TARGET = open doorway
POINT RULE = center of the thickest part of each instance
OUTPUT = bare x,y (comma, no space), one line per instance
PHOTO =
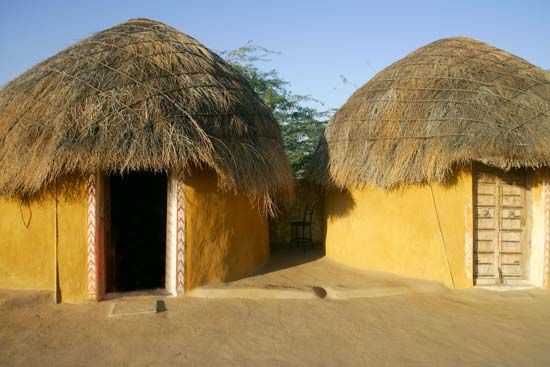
135,251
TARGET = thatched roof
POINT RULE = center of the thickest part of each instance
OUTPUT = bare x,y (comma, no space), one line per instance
443,106
138,96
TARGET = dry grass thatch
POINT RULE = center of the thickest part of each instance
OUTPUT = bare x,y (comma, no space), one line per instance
440,108
139,96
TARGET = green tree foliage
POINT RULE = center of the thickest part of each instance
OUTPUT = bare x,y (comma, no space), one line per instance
301,123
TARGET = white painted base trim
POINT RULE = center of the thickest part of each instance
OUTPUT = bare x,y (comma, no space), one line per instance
507,287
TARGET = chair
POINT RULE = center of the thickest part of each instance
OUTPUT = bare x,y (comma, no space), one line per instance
300,231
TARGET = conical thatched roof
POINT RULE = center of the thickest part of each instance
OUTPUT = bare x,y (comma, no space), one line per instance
443,106
138,96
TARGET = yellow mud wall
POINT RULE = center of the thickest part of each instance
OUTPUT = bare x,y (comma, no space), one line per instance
72,247
27,245
226,237
27,240
398,231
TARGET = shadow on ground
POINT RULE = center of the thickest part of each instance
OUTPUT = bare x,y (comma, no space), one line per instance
287,256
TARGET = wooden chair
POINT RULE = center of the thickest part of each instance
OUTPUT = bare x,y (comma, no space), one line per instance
300,231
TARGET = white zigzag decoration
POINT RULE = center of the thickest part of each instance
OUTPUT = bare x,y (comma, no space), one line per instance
92,235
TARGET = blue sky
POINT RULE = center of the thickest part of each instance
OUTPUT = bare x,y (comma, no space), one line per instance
318,40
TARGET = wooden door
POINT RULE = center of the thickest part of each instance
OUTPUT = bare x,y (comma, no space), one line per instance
500,225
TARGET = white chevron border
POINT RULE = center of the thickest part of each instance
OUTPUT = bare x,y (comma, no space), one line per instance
92,237
546,191
171,207
180,235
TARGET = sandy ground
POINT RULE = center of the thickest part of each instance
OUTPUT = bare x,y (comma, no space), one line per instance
296,270
438,328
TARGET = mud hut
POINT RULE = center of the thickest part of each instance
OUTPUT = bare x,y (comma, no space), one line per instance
135,159
437,168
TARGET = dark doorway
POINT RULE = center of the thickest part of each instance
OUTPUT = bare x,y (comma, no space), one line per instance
137,244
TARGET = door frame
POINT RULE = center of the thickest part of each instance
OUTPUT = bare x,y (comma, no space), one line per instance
98,230
544,266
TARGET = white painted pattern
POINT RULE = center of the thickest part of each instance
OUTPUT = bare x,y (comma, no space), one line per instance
546,193
171,235
92,238
169,244
180,235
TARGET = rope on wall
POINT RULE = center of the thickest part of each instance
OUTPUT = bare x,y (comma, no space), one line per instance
442,238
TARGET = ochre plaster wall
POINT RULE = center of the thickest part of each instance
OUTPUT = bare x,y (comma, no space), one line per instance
398,231
72,249
27,245
226,237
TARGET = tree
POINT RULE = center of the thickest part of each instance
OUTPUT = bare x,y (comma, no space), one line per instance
301,123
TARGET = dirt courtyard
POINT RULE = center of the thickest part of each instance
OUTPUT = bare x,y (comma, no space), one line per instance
448,328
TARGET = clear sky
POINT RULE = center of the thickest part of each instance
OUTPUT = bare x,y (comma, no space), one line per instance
319,41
